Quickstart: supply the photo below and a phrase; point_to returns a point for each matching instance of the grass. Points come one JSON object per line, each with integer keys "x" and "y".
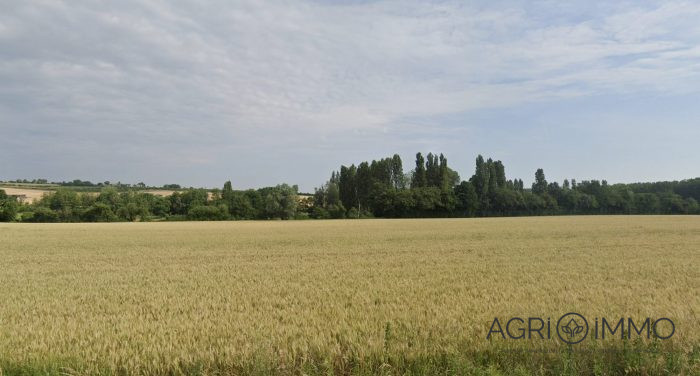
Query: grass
{"x": 344, "y": 297}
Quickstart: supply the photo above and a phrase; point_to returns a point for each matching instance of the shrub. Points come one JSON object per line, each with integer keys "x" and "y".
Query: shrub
{"x": 353, "y": 213}
{"x": 319, "y": 213}
{"x": 98, "y": 212}
{"x": 206, "y": 213}
{"x": 336, "y": 211}
{"x": 42, "y": 214}
{"x": 8, "y": 209}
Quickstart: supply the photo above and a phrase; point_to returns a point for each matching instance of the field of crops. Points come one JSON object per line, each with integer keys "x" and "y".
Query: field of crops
{"x": 349, "y": 297}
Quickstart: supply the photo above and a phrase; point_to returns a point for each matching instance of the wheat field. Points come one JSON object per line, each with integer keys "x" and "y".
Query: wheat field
{"x": 28, "y": 195}
{"x": 341, "y": 297}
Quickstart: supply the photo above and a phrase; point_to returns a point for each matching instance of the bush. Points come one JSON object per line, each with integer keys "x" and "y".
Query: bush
{"x": 8, "y": 209}
{"x": 353, "y": 213}
{"x": 336, "y": 211}
{"x": 176, "y": 218}
{"x": 98, "y": 212}
{"x": 131, "y": 212}
{"x": 318, "y": 212}
{"x": 42, "y": 214}
{"x": 207, "y": 213}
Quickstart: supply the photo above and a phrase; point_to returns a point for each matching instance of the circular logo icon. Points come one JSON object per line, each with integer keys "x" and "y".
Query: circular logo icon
{"x": 572, "y": 328}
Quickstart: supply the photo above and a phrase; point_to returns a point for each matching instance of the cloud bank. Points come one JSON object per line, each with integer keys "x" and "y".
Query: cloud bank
{"x": 264, "y": 92}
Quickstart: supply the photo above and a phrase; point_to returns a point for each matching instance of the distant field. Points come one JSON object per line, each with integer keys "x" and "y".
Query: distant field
{"x": 31, "y": 194}
{"x": 34, "y": 192}
{"x": 159, "y": 192}
{"x": 29, "y": 185}
{"x": 344, "y": 297}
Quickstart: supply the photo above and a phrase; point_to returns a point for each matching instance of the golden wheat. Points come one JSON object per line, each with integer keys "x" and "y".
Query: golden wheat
{"x": 151, "y": 297}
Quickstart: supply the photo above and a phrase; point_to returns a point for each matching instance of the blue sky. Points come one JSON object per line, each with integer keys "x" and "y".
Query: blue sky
{"x": 261, "y": 93}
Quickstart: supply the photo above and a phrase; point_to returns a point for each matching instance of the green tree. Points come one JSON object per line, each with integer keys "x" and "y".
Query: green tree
{"x": 207, "y": 213}
{"x": 534, "y": 204}
{"x": 289, "y": 201}
{"x": 380, "y": 172}
{"x": 65, "y": 203}
{"x": 194, "y": 197}
{"x": 363, "y": 181}
{"x": 427, "y": 199}
{"x": 493, "y": 178}
{"x": 353, "y": 213}
{"x": 42, "y": 214}
{"x": 318, "y": 212}
{"x": 432, "y": 171}
{"x": 177, "y": 207}
{"x": 444, "y": 178}
{"x": 280, "y": 202}
{"x": 481, "y": 177}
{"x": 333, "y": 194}
{"x": 397, "y": 175}
{"x": 404, "y": 203}
{"x": 256, "y": 200}
{"x": 132, "y": 212}
{"x": 110, "y": 197}
{"x": 347, "y": 186}
{"x": 336, "y": 211}
{"x": 98, "y": 212}
{"x": 448, "y": 200}
{"x": 240, "y": 206}
{"x": 506, "y": 201}
{"x": 8, "y": 207}
{"x": 160, "y": 206}
{"x": 227, "y": 192}
{"x": 647, "y": 203}
{"x": 420, "y": 178}
{"x": 540, "y": 185}
{"x": 500, "y": 174}
{"x": 272, "y": 205}
{"x": 467, "y": 199}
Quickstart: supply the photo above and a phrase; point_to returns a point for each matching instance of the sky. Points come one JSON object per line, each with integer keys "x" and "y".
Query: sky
{"x": 266, "y": 92}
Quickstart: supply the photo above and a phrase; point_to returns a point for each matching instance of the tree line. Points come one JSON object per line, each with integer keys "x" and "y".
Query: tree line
{"x": 379, "y": 188}
{"x": 433, "y": 189}
{"x": 111, "y": 205}
{"x": 77, "y": 183}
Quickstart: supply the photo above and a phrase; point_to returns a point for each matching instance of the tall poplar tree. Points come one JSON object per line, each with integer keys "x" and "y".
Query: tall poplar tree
{"x": 397, "y": 172}
{"x": 481, "y": 177}
{"x": 444, "y": 173}
{"x": 419, "y": 175}
{"x": 500, "y": 174}
{"x": 540, "y": 184}
{"x": 432, "y": 170}
{"x": 364, "y": 182}
{"x": 347, "y": 186}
